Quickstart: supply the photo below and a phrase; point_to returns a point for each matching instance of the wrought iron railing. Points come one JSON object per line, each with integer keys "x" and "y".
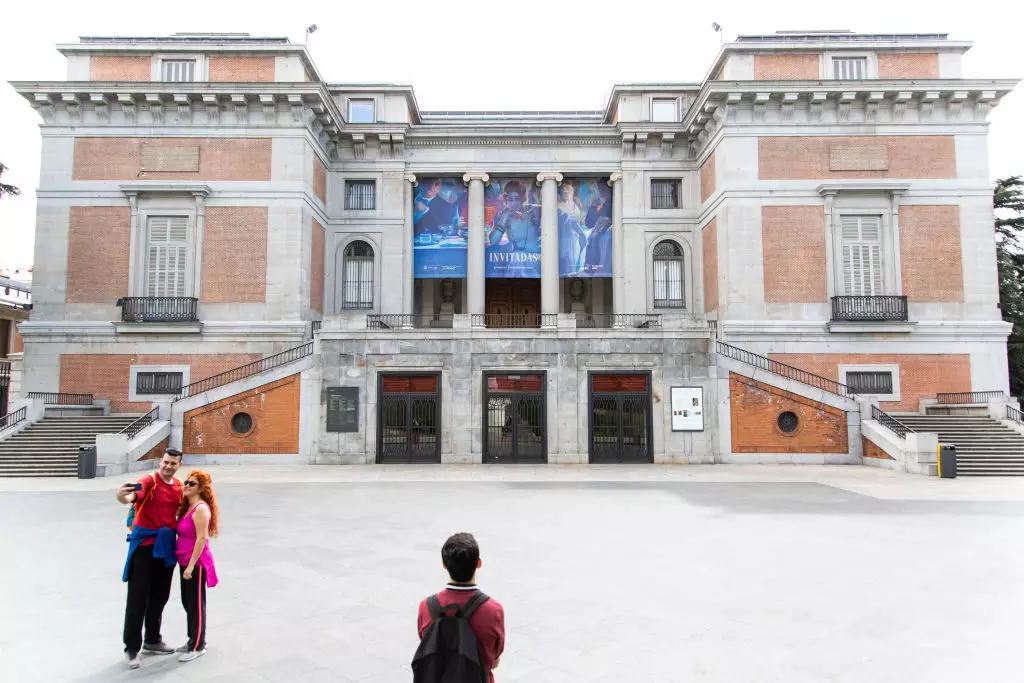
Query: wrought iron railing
{"x": 11, "y": 419}
{"x": 1014, "y": 414}
{"x": 62, "y": 399}
{"x": 891, "y": 423}
{"x": 159, "y": 309}
{"x": 135, "y": 427}
{"x": 641, "y": 321}
{"x": 406, "y": 321}
{"x": 802, "y": 376}
{"x": 5, "y": 372}
{"x": 869, "y": 308}
{"x": 247, "y": 370}
{"x": 515, "y": 320}
{"x": 969, "y": 396}
{"x": 314, "y": 327}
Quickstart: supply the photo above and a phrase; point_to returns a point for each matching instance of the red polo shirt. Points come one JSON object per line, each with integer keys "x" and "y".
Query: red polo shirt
{"x": 161, "y": 510}
{"x": 488, "y": 622}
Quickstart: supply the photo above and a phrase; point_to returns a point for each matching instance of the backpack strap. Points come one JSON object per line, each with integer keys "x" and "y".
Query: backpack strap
{"x": 434, "y": 606}
{"x": 473, "y": 604}
{"x": 138, "y": 510}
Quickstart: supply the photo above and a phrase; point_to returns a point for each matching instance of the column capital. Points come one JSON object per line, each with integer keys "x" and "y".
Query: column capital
{"x": 475, "y": 175}
{"x": 614, "y": 177}
{"x": 548, "y": 175}
{"x": 411, "y": 179}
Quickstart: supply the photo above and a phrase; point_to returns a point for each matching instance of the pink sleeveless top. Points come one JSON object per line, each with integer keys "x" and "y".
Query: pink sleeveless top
{"x": 187, "y": 543}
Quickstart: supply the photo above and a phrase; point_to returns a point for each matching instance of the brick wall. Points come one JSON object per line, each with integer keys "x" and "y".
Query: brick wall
{"x": 17, "y": 343}
{"x": 793, "y": 242}
{"x": 709, "y": 256}
{"x": 921, "y": 375}
{"x": 316, "y": 268}
{"x": 274, "y": 409}
{"x": 786, "y": 67}
{"x": 807, "y": 158}
{"x": 707, "y": 178}
{"x": 232, "y": 69}
{"x": 873, "y": 451}
{"x": 98, "y": 239}
{"x": 235, "y": 254}
{"x": 319, "y": 179}
{"x": 930, "y": 260}
{"x": 156, "y": 452}
{"x": 106, "y": 376}
{"x": 755, "y": 408}
{"x": 219, "y": 158}
{"x": 120, "y": 67}
{"x": 908, "y": 65}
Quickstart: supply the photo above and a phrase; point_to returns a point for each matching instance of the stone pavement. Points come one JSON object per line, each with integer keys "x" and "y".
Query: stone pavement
{"x": 650, "y": 573}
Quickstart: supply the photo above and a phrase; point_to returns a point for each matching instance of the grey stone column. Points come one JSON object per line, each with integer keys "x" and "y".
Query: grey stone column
{"x": 549, "y": 242}
{"x": 408, "y": 305}
{"x": 475, "y": 285}
{"x": 618, "y": 246}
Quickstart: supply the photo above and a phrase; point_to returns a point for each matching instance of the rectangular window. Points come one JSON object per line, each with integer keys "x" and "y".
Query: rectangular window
{"x": 665, "y": 194}
{"x": 178, "y": 70}
{"x": 862, "y": 255}
{"x": 850, "y": 68}
{"x": 166, "y": 255}
{"x": 361, "y": 111}
{"x": 360, "y": 195}
{"x": 879, "y": 383}
{"x": 158, "y": 382}
{"x": 665, "y": 110}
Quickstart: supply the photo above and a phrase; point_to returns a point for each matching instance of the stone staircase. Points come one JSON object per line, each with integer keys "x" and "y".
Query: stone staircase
{"x": 49, "y": 448}
{"x": 984, "y": 447}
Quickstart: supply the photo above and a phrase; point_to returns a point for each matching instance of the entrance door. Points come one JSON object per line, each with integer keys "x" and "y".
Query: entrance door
{"x": 620, "y": 418}
{"x": 515, "y": 428}
{"x": 409, "y": 419}
{"x": 513, "y": 302}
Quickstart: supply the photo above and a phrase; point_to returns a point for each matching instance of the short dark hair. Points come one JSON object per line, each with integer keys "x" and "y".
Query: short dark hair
{"x": 510, "y": 187}
{"x": 460, "y": 555}
{"x": 173, "y": 452}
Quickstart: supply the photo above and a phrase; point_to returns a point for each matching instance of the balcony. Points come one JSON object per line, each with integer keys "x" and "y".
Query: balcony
{"x": 159, "y": 314}
{"x": 869, "y": 314}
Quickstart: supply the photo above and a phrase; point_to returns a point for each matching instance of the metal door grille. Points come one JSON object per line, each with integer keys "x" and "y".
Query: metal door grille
{"x": 408, "y": 423}
{"x": 515, "y": 425}
{"x": 620, "y": 421}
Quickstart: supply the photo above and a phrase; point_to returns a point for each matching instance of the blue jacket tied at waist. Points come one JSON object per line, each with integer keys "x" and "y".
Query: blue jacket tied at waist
{"x": 163, "y": 546}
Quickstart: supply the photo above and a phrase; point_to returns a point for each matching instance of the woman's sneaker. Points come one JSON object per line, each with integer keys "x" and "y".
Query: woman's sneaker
{"x": 192, "y": 654}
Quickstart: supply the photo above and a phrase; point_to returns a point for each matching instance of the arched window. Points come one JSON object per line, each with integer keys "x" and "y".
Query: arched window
{"x": 357, "y": 276}
{"x": 668, "y": 275}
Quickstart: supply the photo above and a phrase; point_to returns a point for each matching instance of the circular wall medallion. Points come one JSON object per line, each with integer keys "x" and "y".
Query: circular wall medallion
{"x": 788, "y": 422}
{"x": 241, "y": 423}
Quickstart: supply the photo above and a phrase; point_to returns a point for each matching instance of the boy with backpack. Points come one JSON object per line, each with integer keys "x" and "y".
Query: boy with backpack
{"x": 462, "y": 630}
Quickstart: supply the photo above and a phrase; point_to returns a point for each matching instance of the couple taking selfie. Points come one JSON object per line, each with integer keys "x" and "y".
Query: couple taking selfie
{"x": 170, "y": 523}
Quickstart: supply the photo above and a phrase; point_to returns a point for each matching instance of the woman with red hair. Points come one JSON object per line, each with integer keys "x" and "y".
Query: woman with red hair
{"x": 197, "y": 523}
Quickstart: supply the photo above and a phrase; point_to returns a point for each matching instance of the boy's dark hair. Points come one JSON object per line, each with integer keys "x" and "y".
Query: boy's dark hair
{"x": 173, "y": 452}
{"x": 460, "y": 555}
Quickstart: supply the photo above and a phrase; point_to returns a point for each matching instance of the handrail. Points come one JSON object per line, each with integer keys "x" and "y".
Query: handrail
{"x": 138, "y": 425}
{"x": 242, "y": 371}
{"x": 968, "y": 396}
{"x": 794, "y": 373}
{"x": 640, "y": 321}
{"x": 1014, "y": 414}
{"x": 11, "y": 419}
{"x": 53, "y": 398}
{"x": 159, "y": 309}
{"x": 891, "y": 423}
{"x": 514, "y": 320}
{"x": 869, "y": 308}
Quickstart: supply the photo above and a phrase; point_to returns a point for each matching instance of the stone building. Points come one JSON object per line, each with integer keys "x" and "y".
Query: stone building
{"x": 730, "y": 270}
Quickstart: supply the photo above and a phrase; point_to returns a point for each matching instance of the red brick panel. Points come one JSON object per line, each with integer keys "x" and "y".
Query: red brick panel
{"x": 807, "y": 158}
{"x": 908, "y": 65}
{"x": 319, "y": 179}
{"x": 316, "y": 269}
{"x": 930, "y": 253}
{"x": 120, "y": 67}
{"x": 786, "y": 67}
{"x": 230, "y": 69}
{"x": 793, "y": 242}
{"x": 156, "y": 452}
{"x": 921, "y": 375}
{"x": 98, "y": 238}
{"x": 709, "y": 249}
{"x": 274, "y": 409}
{"x": 219, "y": 158}
{"x": 235, "y": 254}
{"x": 707, "y": 178}
{"x": 17, "y": 343}
{"x": 755, "y": 408}
{"x": 873, "y": 451}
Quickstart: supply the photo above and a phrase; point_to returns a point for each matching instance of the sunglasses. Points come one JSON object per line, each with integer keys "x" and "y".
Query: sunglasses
{"x": 190, "y": 483}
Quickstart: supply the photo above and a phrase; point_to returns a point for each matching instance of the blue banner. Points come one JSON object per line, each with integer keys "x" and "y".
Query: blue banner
{"x": 512, "y": 227}
{"x": 584, "y": 228}
{"x": 439, "y": 228}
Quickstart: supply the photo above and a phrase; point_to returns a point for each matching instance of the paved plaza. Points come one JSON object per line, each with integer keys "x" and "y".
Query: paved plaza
{"x": 720, "y": 574}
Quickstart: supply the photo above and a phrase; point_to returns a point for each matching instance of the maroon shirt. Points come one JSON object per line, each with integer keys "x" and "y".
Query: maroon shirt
{"x": 488, "y": 622}
{"x": 161, "y": 510}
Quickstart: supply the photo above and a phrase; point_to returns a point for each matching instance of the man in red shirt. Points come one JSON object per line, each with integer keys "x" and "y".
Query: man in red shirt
{"x": 460, "y": 555}
{"x": 149, "y": 577}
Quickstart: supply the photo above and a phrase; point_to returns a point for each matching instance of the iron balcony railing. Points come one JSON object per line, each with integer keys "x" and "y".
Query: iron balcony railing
{"x": 640, "y": 321}
{"x": 969, "y": 396}
{"x": 247, "y": 370}
{"x": 314, "y": 326}
{"x": 891, "y": 423}
{"x": 62, "y": 399}
{"x": 774, "y": 366}
{"x": 406, "y": 321}
{"x": 135, "y": 427}
{"x": 5, "y": 372}
{"x": 1014, "y": 414}
{"x": 11, "y": 419}
{"x": 515, "y": 320}
{"x": 869, "y": 308}
{"x": 159, "y": 309}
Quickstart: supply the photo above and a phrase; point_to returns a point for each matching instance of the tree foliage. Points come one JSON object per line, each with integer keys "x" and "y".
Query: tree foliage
{"x": 1008, "y": 201}
{"x": 10, "y": 190}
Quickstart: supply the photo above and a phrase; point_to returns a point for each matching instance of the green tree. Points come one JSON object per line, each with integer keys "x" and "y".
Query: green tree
{"x": 7, "y": 189}
{"x": 1008, "y": 201}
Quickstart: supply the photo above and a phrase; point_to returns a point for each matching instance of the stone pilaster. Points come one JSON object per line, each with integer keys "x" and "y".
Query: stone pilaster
{"x": 618, "y": 246}
{"x": 408, "y": 305}
{"x": 475, "y": 285}
{"x": 549, "y": 242}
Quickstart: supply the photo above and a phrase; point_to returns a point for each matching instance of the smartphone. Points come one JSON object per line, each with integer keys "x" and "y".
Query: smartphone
{"x": 137, "y": 486}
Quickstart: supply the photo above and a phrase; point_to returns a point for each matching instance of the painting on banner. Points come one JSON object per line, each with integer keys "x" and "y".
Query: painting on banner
{"x": 440, "y": 228}
{"x": 585, "y": 228}
{"x": 512, "y": 227}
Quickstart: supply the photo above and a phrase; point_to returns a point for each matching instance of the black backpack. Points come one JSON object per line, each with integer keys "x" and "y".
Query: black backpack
{"x": 448, "y": 651}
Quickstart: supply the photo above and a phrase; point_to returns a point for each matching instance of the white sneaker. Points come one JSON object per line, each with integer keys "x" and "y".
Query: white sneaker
{"x": 192, "y": 654}
{"x": 181, "y": 648}
{"x": 133, "y": 660}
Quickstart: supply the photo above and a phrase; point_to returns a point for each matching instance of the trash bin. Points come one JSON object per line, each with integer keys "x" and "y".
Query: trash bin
{"x": 947, "y": 461}
{"x": 87, "y": 462}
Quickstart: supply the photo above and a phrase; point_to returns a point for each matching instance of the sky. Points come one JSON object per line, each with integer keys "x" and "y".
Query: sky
{"x": 527, "y": 54}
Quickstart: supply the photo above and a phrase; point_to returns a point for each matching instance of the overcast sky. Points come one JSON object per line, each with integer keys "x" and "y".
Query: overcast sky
{"x": 527, "y": 54}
